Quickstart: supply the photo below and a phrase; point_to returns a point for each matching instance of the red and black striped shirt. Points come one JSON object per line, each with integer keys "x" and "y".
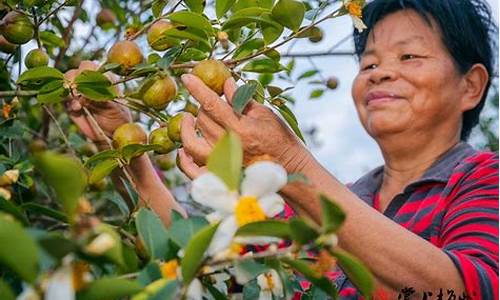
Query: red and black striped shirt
{"x": 454, "y": 206}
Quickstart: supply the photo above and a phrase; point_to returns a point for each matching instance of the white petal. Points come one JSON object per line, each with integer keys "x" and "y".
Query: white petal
{"x": 272, "y": 204}
{"x": 263, "y": 177}
{"x": 28, "y": 294}
{"x": 278, "y": 285}
{"x": 212, "y": 192}
{"x": 265, "y": 295}
{"x": 262, "y": 282}
{"x": 223, "y": 236}
{"x": 195, "y": 290}
{"x": 256, "y": 240}
{"x": 60, "y": 285}
{"x": 358, "y": 24}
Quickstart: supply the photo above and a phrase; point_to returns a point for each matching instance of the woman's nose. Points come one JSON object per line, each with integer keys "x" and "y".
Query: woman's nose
{"x": 382, "y": 73}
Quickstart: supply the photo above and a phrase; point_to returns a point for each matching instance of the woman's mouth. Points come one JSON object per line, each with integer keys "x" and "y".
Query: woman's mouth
{"x": 380, "y": 97}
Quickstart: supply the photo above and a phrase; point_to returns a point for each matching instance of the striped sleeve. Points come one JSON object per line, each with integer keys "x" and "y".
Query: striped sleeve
{"x": 470, "y": 226}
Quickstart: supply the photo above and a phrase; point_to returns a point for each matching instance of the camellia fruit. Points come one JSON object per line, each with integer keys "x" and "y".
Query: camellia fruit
{"x": 159, "y": 92}
{"x": 191, "y": 108}
{"x": 6, "y": 46}
{"x": 332, "y": 83}
{"x": 213, "y": 73}
{"x": 125, "y": 53}
{"x": 174, "y": 128}
{"x": 155, "y": 35}
{"x": 127, "y": 134}
{"x": 36, "y": 58}
{"x": 17, "y": 28}
{"x": 160, "y": 137}
{"x": 106, "y": 18}
{"x": 165, "y": 162}
{"x": 315, "y": 35}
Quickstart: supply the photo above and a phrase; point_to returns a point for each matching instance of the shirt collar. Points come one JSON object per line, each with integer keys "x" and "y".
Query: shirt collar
{"x": 440, "y": 171}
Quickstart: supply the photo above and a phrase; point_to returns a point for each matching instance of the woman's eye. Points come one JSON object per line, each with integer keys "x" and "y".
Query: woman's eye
{"x": 368, "y": 67}
{"x": 408, "y": 56}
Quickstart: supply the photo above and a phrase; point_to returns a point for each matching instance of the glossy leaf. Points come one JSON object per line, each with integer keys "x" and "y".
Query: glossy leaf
{"x": 130, "y": 151}
{"x": 263, "y": 65}
{"x": 316, "y": 93}
{"x": 222, "y": 6}
{"x": 153, "y": 233}
{"x": 332, "y": 215}
{"x": 271, "y": 30}
{"x": 51, "y": 39}
{"x": 19, "y": 251}
{"x": 226, "y": 160}
{"x": 356, "y": 271}
{"x": 243, "y": 96}
{"x": 101, "y": 170}
{"x": 289, "y": 13}
{"x": 289, "y": 117}
{"x": 248, "y": 48}
{"x": 52, "y": 92}
{"x": 109, "y": 288}
{"x": 169, "y": 56}
{"x": 195, "y": 252}
{"x": 192, "y": 19}
{"x": 36, "y": 208}
{"x": 6, "y": 292}
{"x": 158, "y": 6}
{"x": 186, "y": 34}
{"x": 272, "y": 228}
{"x": 182, "y": 230}
{"x": 66, "y": 175}
{"x": 302, "y": 232}
{"x": 103, "y": 155}
{"x": 195, "y": 5}
{"x": 95, "y": 86}
{"x": 39, "y": 76}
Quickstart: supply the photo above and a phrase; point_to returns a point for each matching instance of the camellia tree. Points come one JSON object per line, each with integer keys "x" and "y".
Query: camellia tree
{"x": 66, "y": 232}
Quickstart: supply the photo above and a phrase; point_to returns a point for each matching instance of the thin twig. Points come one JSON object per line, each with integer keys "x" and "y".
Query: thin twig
{"x": 316, "y": 54}
{"x": 51, "y": 13}
{"x": 58, "y": 126}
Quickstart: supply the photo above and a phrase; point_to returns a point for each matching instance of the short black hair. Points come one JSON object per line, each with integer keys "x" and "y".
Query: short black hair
{"x": 467, "y": 29}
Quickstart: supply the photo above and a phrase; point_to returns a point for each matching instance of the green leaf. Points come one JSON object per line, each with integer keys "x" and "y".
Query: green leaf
{"x": 49, "y": 38}
{"x": 95, "y": 86}
{"x": 308, "y": 74}
{"x": 153, "y": 233}
{"x": 66, "y": 175}
{"x": 313, "y": 276}
{"x": 356, "y": 271}
{"x": 248, "y": 48}
{"x": 6, "y": 292}
{"x": 243, "y": 96}
{"x": 19, "y": 251}
{"x": 273, "y": 228}
{"x": 168, "y": 292}
{"x": 271, "y": 30}
{"x": 289, "y": 13}
{"x": 102, "y": 169}
{"x": 251, "y": 290}
{"x": 182, "y": 230}
{"x": 195, "y": 252}
{"x": 14, "y": 210}
{"x": 103, "y": 155}
{"x": 301, "y": 232}
{"x": 193, "y": 20}
{"x": 263, "y": 65}
{"x": 44, "y": 210}
{"x": 52, "y": 92}
{"x": 110, "y": 288}
{"x": 195, "y": 5}
{"x": 57, "y": 245}
{"x": 157, "y": 7}
{"x": 185, "y": 34}
{"x": 39, "y": 76}
{"x": 222, "y": 6}
{"x": 143, "y": 69}
{"x": 130, "y": 151}
{"x": 289, "y": 117}
{"x": 226, "y": 160}
{"x": 150, "y": 273}
{"x": 108, "y": 67}
{"x": 192, "y": 54}
{"x": 242, "y": 4}
{"x": 247, "y": 270}
{"x": 332, "y": 215}
{"x": 316, "y": 93}
{"x": 169, "y": 57}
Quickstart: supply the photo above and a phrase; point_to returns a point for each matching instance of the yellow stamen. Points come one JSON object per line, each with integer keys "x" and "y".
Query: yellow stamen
{"x": 354, "y": 9}
{"x": 269, "y": 280}
{"x": 80, "y": 269}
{"x": 236, "y": 248}
{"x": 248, "y": 210}
{"x": 169, "y": 269}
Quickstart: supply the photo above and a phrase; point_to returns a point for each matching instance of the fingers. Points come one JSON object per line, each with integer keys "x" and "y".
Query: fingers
{"x": 215, "y": 108}
{"x": 229, "y": 89}
{"x": 210, "y": 130}
{"x": 195, "y": 146}
{"x": 188, "y": 166}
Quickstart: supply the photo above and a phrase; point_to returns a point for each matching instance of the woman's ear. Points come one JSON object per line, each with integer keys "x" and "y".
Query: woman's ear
{"x": 475, "y": 83}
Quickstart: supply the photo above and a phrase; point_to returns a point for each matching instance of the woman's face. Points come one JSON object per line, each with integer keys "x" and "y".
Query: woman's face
{"x": 407, "y": 82}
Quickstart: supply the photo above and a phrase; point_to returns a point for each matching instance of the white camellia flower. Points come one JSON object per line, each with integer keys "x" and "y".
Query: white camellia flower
{"x": 355, "y": 9}
{"x": 270, "y": 284}
{"x": 60, "y": 284}
{"x": 257, "y": 201}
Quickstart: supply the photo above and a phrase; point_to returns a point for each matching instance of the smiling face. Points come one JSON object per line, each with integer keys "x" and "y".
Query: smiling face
{"x": 407, "y": 84}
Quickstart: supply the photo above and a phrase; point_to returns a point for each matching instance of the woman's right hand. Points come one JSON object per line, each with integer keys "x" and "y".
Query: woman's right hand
{"x": 109, "y": 115}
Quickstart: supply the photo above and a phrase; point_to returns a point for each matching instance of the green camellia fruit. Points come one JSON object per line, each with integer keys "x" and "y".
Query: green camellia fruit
{"x": 315, "y": 35}
{"x": 17, "y": 28}
{"x": 155, "y": 36}
{"x": 160, "y": 137}
{"x": 213, "y": 73}
{"x": 36, "y": 58}
{"x": 159, "y": 92}
{"x": 332, "y": 83}
{"x": 165, "y": 162}
{"x": 128, "y": 134}
{"x": 174, "y": 128}
{"x": 125, "y": 53}
{"x": 6, "y": 46}
{"x": 191, "y": 108}
{"x": 106, "y": 18}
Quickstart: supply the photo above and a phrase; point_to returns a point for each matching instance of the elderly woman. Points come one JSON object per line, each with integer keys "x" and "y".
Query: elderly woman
{"x": 426, "y": 222}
